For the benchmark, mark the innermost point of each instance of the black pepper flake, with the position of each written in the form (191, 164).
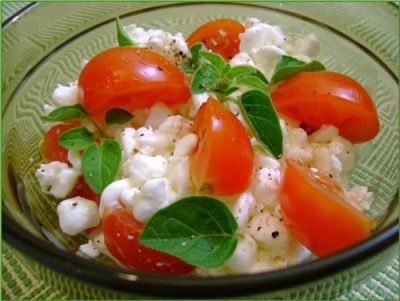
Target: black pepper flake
(160, 68)
(74, 204)
(275, 234)
(258, 228)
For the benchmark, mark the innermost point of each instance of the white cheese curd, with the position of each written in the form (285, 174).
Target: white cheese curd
(173, 47)
(66, 95)
(186, 145)
(56, 178)
(177, 126)
(47, 109)
(75, 158)
(244, 257)
(98, 243)
(89, 249)
(195, 103)
(144, 167)
(179, 175)
(263, 43)
(77, 214)
(306, 47)
(156, 152)
(266, 185)
(154, 195)
(120, 190)
(242, 208)
(360, 197)
(159, 112)
(269, 230)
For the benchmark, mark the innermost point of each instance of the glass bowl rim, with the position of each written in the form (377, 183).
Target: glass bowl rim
(183, 286)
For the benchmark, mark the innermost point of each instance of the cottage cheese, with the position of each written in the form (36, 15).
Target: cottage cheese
(56, 178)
(155, 164)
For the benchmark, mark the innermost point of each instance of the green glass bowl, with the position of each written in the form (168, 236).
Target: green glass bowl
(43, 46)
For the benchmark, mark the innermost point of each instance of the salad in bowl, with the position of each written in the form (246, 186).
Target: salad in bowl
(228, 151)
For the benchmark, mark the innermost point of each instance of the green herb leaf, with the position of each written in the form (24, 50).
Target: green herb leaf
(263, 119)
(66, 113)
(252, 82)
(200, 230)
(243, 70)
(100, 164)
(205, 79)
(230, 90)
(76, 139)
(289, 66)
(118, 116)
(192, 63)
(215, 59)
(122, 36)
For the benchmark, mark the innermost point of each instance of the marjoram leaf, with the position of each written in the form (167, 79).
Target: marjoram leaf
(205, 79)
(200, 230)
(288, 67)
(122, 36)
(76, 139)
(118, 116)
(262, 117)
(66, 113)
(100, 164)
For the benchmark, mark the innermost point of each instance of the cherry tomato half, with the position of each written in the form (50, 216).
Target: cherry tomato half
(82, 189)
(220, 36)
(324, 97)
(223, 161)
(121, 232)
(50, 149)
(316, 212)
(130, 78)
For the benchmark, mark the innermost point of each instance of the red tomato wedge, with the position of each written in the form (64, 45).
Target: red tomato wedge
(121, 232)
(220, 36)
(325, 97)
(50, 148)
(316, 212)
(82, 189)
(223, 161)
(130, 78)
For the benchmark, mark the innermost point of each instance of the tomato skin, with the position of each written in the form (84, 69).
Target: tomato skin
(121, 232)
(130, 78)
(325, 97)
(223, 161)
(50, 148)
(316, 212)
(220, 36)
(82, 189)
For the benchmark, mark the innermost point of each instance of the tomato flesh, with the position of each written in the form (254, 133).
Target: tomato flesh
(325, 97)
(130, 78)
(121, 233)
(222, 163)
(82, 189)
(220, 36)
(316, 212)
(50, 148)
